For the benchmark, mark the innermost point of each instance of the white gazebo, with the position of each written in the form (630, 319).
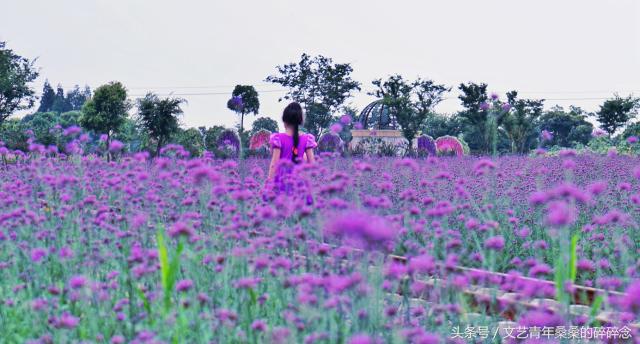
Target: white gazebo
(377, 122)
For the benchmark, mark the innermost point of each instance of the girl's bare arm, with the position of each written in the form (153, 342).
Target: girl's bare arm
(275, 156)
(310, 156)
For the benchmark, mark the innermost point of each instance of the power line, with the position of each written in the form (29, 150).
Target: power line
(543, 98)
(188, 87)
(205, 93)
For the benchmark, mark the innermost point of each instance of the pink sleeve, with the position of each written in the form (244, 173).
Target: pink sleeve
(274, 141)
(311, 141)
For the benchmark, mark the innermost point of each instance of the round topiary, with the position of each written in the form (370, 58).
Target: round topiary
(465, 146)
(426, 146)
(260, 139)
(228, 144)
(449, 145)
(330, 142)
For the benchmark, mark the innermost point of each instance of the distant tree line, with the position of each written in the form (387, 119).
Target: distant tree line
(488, 123)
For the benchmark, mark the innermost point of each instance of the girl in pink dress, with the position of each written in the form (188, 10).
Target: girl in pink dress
(291, 145)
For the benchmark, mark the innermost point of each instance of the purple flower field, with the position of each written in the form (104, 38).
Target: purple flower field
(173, 250)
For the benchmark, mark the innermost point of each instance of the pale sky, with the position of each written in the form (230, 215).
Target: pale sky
(568, 51)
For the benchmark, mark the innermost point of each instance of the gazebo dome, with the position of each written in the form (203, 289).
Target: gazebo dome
(377, 116)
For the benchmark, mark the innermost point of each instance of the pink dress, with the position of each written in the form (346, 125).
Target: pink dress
(285, 143)
(285, 179)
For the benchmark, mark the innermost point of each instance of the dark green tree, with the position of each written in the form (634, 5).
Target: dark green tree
(265, 123)
(244, 100)
(60, 102)
(69, 118)
(320, 84)
(133, 136)
(42, 123)
(437, 125)
(411, 102)
(107, 110)
(77, 97)
(48, 97)
(16, 75)
(190, 139)
(615, 113)
(519, 122)
(210, 136)
(632, 129)
(159, 117)
(482, 118)
(13, 134)
(568, 127)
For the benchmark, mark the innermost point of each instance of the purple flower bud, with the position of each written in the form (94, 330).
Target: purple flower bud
(336, 128)
(116, 146)
(345, 119)
(184, 285)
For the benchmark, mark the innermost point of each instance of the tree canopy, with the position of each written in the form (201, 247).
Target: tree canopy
(244, 100)
(409, 101)
(320, 84)
(265, 123)
(615, 113)
(107, 110)
(16, 75)
(159, 117)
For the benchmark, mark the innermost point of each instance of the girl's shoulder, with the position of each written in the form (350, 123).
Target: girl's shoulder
(275, 140)
(310, 140)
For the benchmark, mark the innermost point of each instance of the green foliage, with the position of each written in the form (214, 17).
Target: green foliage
(317, 118)
(16, 75)
(210, 136)
(436, 125)
(377, 147)
(47, 98)
(569, 128)
(519, 122)
(191, 140)
(409, 101)
(475, 118)
(265, 123)
(320, 84)
(60, 102)
(169, 268)
(483, 120)
(42, 124)
(77, 97)
(159, 117)
(107, 110)
(47, 126)
(250, 103)
(56, 100)
(617, 112)
(67, 119)
(632, 129)
(566, 270)
(133, 136)
(465, 145)
(13, 134)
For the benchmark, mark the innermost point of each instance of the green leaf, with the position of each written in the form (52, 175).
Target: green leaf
(595, 307)
(145, 302)
(558, 278)
(163, 256)
(574, 258)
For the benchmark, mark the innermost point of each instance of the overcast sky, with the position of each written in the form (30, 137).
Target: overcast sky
(580, 50)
